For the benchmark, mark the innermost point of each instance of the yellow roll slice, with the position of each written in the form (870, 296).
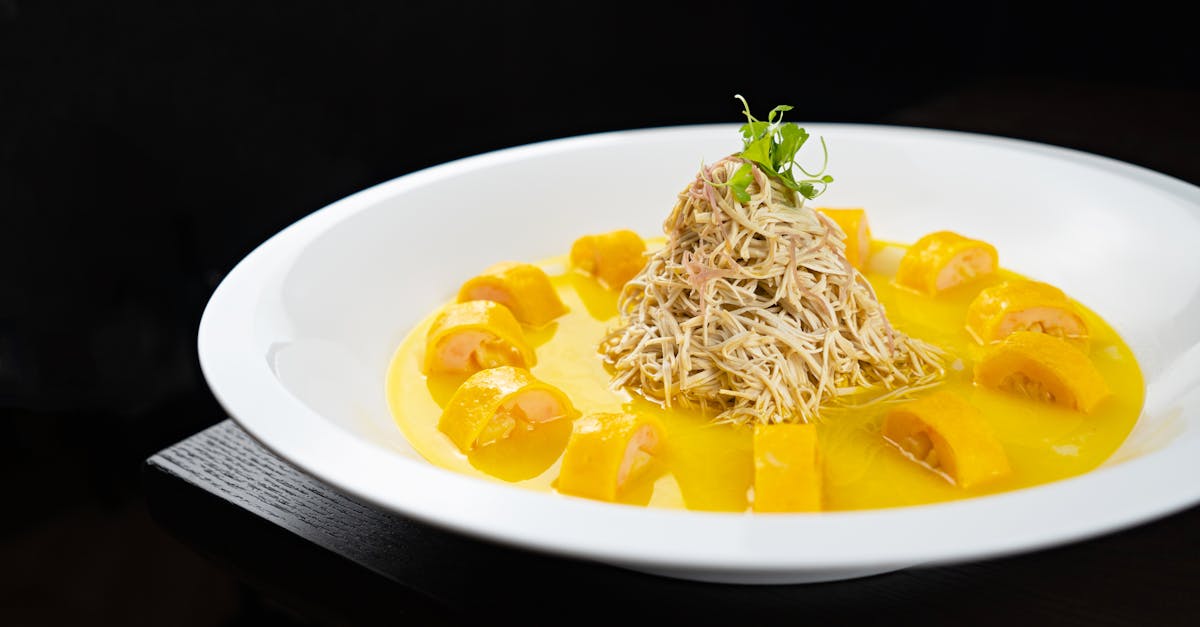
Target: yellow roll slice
(607, 451)
(613, 258)
(787, 468)
(1044, 368)
(853, 223)
(1024, 305)
(948, 435)
(523, 288)
(475, 335)
(943, 260)
(492, 403)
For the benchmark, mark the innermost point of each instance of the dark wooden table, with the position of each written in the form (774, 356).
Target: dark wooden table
(338, 560)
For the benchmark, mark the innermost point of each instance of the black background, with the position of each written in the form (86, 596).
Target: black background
(146, 146)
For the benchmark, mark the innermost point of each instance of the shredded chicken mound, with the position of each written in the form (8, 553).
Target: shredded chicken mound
(752, 312)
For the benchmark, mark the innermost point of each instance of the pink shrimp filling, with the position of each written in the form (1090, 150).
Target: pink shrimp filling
(964, 267)
(638, 453)
(525, 410)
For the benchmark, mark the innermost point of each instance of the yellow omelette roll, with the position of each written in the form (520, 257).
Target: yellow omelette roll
(853, 223)
(475, 335)
(1022, 305)
(942, 260)
(1045, 368)
(492, 403)
(606, 451)
(787, 468)
(948, 435)
(523, 288)
(613, 258)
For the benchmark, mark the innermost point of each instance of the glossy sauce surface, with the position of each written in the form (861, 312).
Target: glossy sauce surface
(710, 467)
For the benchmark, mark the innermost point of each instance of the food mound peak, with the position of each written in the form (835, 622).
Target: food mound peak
(752, 311)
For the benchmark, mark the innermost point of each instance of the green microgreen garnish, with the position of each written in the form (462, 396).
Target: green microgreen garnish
(772, 146)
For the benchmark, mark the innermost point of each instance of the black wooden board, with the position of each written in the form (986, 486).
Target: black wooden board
(338, 560)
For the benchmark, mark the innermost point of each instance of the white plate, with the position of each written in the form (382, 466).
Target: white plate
(296, 340)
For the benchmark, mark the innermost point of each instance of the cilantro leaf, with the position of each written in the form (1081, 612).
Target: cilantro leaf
(778, 111)
(740, 180)
(791, 139)
(752, 130)
(759, 151)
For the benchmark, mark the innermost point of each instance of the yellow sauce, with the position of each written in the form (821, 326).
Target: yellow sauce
(710, 467)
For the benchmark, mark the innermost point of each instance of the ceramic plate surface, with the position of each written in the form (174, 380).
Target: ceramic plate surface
(296, 341)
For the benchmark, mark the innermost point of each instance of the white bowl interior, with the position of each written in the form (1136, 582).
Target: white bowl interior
(1124, 249)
